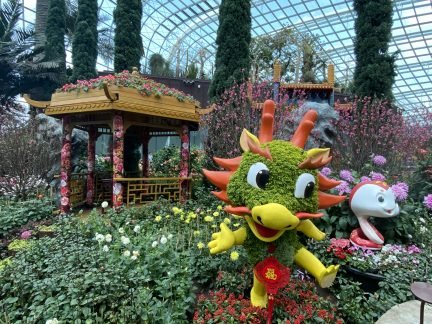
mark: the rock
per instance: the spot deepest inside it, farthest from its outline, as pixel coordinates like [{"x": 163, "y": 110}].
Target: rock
[
  {"x": 324, "y": 131},
  {"x": 406, "y": 313}
]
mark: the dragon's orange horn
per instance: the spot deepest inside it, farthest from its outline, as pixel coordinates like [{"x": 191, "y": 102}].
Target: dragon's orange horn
[
  {"x": 219, "y": 178},
  {"x": 326, "y": 200},
  {"x": 228, "y": 164},
  {"x": 267, "y": 120},
  {"x": 326, "y": 183},
  {"x": 221, "y": 195},
  {"x": 303, "y": 130}
]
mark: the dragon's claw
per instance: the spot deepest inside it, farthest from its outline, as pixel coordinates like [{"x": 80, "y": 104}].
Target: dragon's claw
[
  {"x": 222, "y": 240},
  {"x": 327, "y": 277}
]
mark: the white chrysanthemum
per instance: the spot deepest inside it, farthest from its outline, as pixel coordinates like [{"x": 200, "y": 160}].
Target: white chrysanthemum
[
  {"x": 105, "y": 248},
  {"x": 134, "y": 257},
  {"x": 170, "y": 236},
  {"x": 108, "y": 238},
  {"x": 137, "y": 228},
  {"x": 136, "y": 253},
  {"x": 52, "y": 321},
  {"x": 154, "y": 244},
  {"x": 121, "y": 230},
  {"x": 125, "y": 240},
  {"x": 163, "y": 240},
  {"x": 99, "y": 237},
  {"x": 126, "y": 253},
  {"x": 104, "y": 204}
]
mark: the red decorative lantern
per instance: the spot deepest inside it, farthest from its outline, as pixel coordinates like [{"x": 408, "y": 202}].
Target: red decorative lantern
[{"x": 274, "y": 276}]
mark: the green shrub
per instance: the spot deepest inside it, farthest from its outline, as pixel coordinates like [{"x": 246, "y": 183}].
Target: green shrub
[
  {"x": 166, "y": 162},
  {"x": 16, "y": 214}
]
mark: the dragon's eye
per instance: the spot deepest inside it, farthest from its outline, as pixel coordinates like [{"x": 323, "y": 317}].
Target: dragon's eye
[
  {"x": 381, "y": 198},
  {"x": 304, "y": 186},
  {"x": 258, "y": 175}
]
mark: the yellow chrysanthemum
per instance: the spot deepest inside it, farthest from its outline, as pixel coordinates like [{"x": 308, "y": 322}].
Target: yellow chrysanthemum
[
  {"x": 234, "y": 255},
  {"x": 219, "y": 207},
  {"x": 200, "y": 245},
  {"x": 167, "y": 216},
  {"x": 236, "y": 224},
  {"x": 196, "y": 233},
  {"x": 216, "y": 214},
  {"x": 227, "y": 221},
  {"x": 187, "y": 221},
  {"x": 158, "y": 218},
  {"x": 214, "y": 226},
  {"x": 208, "y": 219}
]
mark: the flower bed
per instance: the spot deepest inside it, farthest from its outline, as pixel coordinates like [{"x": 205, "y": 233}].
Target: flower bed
[{"x": 146, "y": 87}]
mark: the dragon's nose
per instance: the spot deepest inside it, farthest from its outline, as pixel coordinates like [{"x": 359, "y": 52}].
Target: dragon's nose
[{"x": 274, "y": 216}]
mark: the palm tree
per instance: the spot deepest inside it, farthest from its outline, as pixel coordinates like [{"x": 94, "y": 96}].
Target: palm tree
[{"x": 15, "y": 43}]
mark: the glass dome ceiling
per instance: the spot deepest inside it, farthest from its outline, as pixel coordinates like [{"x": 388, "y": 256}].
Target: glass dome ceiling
[{"x": 183, "y": 29}]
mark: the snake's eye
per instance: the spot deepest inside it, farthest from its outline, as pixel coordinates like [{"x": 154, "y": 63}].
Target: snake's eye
[
  {"x": 258, "y": 175},
  {"x": 305, "y": 186}
]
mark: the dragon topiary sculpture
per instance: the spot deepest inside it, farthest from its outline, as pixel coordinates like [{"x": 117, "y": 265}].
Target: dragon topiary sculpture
[{"x": 276, "y": 187}]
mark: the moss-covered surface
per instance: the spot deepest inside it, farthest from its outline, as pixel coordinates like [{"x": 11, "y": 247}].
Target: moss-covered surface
[{"x": 284, "y": 173}]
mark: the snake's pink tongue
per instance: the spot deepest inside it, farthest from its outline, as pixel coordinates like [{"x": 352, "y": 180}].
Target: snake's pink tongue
[{"x": 370, "y": 231}]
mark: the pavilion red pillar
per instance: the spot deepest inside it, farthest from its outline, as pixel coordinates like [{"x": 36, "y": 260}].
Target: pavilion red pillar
[
  {"x": 91, "y": 155},
  {"x": 118, "y": 147},
  {"x": 184, "y": 162},
  {"x": 145, "y": 154},
  {"x": 65, "y": 166}
]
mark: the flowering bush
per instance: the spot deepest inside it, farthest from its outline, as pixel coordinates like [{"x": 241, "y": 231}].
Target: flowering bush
[
  {"x": 146, "y": 87},
  {"x": 166, "y": 162},
  {"x": 376, "y": 261},
  {"x": 236, "y": 110},
  {"x": 373, "y": 126},
  {"x": 297, "y": 303}
]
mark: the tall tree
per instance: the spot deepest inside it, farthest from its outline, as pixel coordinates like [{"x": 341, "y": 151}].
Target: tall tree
[
  {"x": 233, "y": 62},
  {"x": 14, "y": 43},
  {"x": 128, "y": 47},
  {"x": 85, "y": 39},
  {"x": 375, "y": 69}
]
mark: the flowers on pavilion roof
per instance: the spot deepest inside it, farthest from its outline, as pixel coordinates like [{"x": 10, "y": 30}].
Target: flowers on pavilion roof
[{"x": 146, "y": 87}]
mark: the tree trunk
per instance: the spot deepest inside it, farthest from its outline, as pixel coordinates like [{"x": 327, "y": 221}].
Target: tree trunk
[{"x": 41, "y": 21}]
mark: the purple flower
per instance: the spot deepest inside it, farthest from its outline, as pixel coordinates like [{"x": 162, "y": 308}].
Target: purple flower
[
  {"x": 343, "y": 188},
  {"x": 376, "y": 176},
  {"x": 325, "y": 171},
  {"x": 379, "y": 160},
  {"x": 413, "y": 249},
  {"x": 428, "y": 201},
  {"x": 346, "y": 175},
  {"x": 364, "y": 178},
  {"x": 400, "y": 191},
  {"x": 26, "y": 235}
]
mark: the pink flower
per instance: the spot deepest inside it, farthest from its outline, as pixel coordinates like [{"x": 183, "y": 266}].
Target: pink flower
[
  {"x": 346, "y": 175},
  {"x": 26, "y": 235},
  {"x": 376, "y": 176},
  {"x": 364, "y": 178},
  {"x": 379, "y": 160},
  {"x": 343, "y": 188},
  {"x": 428, "y": 201},
  {"x": 326, "y": 171},
  {"x": 400, "y": 191}
]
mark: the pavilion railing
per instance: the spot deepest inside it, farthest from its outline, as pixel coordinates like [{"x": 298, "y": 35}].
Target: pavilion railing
[
  {"x": 144, "y": 190},
  {"x": 77, "y": 189}
]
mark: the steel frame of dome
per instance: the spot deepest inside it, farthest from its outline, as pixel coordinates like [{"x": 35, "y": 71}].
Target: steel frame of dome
[{"x": 188, "y": 26}]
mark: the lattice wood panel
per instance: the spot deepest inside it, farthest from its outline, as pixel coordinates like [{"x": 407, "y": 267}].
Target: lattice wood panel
[
  {"x": 144, "y": 190},
  {"x": 77, "y": 190}
]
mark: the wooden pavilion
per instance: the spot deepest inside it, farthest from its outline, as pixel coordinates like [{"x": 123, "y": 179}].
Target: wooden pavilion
[{"x": 125, "y": 105}]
